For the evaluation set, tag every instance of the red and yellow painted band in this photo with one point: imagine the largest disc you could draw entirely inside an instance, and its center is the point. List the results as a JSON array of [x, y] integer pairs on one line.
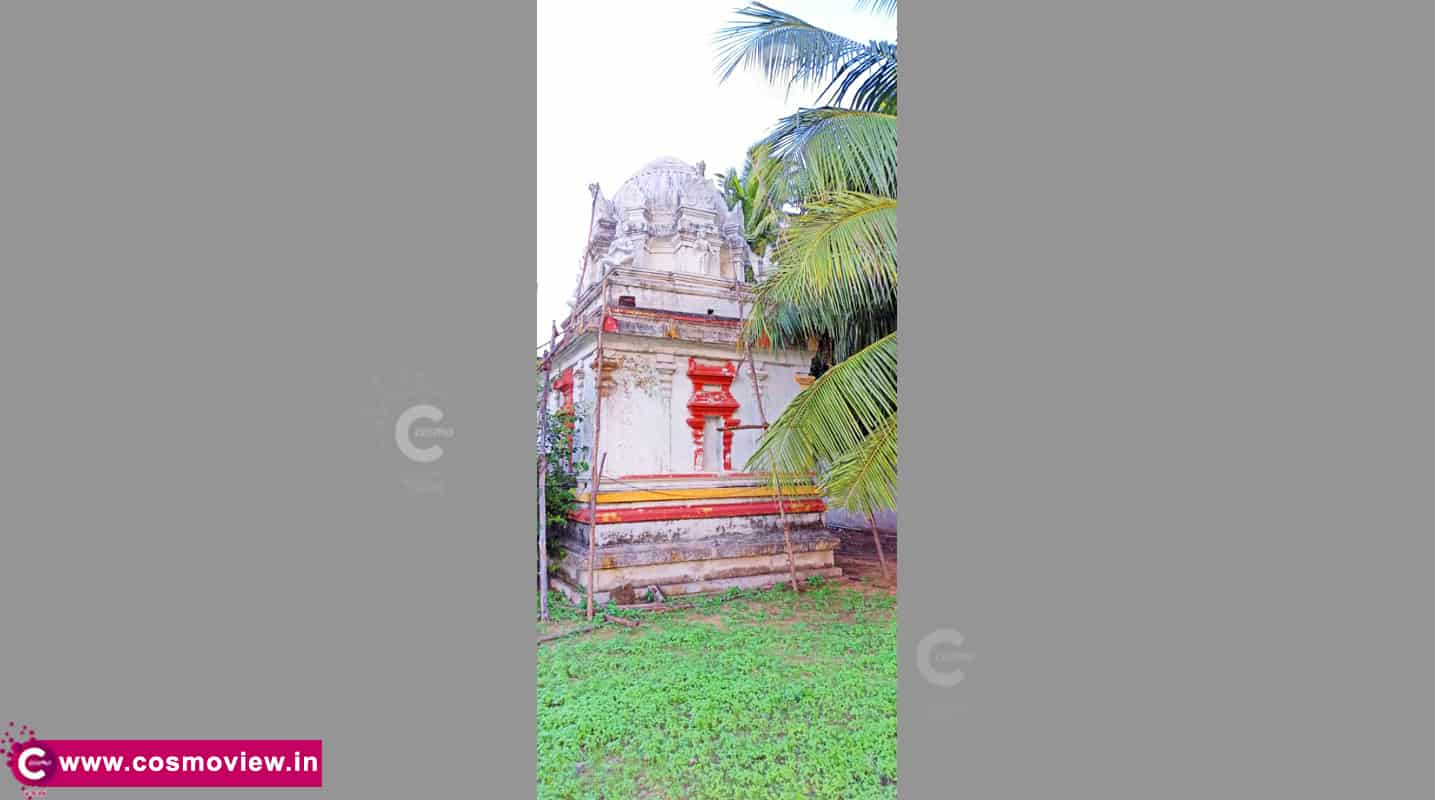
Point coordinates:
[[707, 493], [660, 513], [674, 315]]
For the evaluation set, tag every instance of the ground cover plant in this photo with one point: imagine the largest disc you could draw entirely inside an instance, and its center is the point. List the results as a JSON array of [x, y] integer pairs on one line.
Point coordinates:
[[741, 696]]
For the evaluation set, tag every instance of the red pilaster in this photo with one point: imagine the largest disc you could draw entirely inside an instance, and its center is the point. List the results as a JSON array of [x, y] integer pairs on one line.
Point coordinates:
[[707, 402], [564, 386]]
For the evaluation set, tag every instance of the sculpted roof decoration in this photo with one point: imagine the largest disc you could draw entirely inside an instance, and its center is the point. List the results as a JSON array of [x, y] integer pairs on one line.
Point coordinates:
[[661, 187], [670, 216]]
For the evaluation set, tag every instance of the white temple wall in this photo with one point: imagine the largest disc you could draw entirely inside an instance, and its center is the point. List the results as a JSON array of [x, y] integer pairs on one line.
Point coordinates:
[[778, 386], [645, 413], [634, 444], [672, 294], [645, 429], [667, 251]]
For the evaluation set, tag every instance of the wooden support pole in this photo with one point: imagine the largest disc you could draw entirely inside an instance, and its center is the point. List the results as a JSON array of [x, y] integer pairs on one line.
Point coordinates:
[[872, 521], [555, 636], [593, 530], [543, 479], [762, 415], [597, 430], [786, 536], [583, 260]]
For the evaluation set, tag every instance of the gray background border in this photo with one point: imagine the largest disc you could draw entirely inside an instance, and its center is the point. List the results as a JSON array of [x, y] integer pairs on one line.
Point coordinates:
[[236, 235], [1166, 402], [1166, 397]]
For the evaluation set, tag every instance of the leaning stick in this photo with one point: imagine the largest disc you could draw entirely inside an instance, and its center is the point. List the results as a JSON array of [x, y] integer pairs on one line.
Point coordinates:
[[593, 527], [871, 520], [762, 415], [597, 429]]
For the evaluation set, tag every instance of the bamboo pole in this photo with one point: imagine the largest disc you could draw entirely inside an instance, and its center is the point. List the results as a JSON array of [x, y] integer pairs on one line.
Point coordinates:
[[543, 480], [583, 261], [555, 636], [762, 415], [597, 430], [872, 521], [593, 527]]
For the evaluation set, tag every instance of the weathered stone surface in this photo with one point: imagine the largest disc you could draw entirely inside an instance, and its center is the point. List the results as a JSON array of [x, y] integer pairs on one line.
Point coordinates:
[[696, 563], [663, 280], [577, 593], [679, 572], [694, 530], [637, 554]]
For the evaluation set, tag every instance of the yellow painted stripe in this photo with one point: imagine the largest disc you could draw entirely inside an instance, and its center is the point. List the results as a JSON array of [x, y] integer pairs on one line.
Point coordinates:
[[708, 493]]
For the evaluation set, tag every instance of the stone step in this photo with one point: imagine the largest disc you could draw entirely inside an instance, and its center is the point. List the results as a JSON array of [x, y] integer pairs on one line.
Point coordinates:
[[613, 556], [578, 595]]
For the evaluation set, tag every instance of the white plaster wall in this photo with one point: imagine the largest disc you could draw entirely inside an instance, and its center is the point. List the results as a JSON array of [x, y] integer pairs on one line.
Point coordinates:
[[675, 291], [585, 396], [645, 414], [583, 392], [778, 389], [680, 435], [634, 437]]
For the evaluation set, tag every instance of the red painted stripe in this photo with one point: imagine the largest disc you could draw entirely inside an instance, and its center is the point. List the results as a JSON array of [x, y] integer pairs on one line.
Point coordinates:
[[678, 315], [699, 511]]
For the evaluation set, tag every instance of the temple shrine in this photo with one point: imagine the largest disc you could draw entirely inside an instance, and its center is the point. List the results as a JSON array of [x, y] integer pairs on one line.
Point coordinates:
[[661, 276]]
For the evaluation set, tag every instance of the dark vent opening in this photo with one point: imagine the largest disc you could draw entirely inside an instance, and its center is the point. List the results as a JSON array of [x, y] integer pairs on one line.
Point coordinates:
[[628, 301]]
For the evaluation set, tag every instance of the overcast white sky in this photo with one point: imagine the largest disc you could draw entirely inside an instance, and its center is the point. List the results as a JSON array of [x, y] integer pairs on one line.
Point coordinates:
[[622, 82]]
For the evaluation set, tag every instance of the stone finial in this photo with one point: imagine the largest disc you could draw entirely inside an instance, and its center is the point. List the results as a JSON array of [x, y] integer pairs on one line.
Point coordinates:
[[733, 219], [593, 189], [703, 168]]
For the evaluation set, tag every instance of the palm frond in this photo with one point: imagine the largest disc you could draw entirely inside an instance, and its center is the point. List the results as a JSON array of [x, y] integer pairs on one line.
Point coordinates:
[[790, 325], [876, 69], [865, 479], [888, 7], [754, 189], [834, 415], [786, 49], [832, 197], [839, 148], [837, 275]]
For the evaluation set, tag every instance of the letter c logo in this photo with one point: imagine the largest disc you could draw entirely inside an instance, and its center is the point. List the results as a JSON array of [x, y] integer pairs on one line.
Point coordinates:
[[22, 763], [930, 666], [402, 433]]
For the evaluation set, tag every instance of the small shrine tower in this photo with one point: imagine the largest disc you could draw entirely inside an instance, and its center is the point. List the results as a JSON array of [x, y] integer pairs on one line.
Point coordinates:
[[661, 275]]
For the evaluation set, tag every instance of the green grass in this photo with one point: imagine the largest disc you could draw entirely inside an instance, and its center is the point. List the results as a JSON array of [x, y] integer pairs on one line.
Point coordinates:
[[736, 698]]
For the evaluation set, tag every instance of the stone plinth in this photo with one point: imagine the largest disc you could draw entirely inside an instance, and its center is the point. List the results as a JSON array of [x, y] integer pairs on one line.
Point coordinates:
[[695, 534]]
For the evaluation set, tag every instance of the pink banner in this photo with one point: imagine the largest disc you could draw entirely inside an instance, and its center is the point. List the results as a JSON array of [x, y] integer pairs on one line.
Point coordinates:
[[159, 763]]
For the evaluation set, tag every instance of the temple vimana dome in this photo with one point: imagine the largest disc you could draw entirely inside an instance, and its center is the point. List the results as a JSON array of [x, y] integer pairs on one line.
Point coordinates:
[[668, 217], [664, 281]]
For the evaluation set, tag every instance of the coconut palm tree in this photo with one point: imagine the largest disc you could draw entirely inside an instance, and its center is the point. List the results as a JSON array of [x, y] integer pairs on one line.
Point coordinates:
[[755, 189], [836, 257]]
